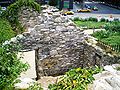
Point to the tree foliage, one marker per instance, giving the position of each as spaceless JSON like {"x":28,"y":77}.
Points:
{"x":53,"y":2}
{"x":6,"y":31}
{"x":12,"y":11}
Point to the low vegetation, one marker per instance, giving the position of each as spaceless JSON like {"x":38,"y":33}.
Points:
{"x":113,"y":26}
{"x":110,"y":36}
{"x":90,"y":23}
{"x":12,"y":11}
{"x":76,"y":79}
{"x":10,"y":65}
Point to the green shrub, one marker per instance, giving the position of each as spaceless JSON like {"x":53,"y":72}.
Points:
{"x":6,"y":31}
{"x":10,"y":65}
{"x":11,"y":13}
{"x":75,"y":79}
{"x":53,"y":2}
{"x":93,"y":19}
{"x":104,"y":20}
{"x":76,"y":19}
{"x":84,"y":20}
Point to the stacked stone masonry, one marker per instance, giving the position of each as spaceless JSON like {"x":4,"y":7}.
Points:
{"x":60,"y":44}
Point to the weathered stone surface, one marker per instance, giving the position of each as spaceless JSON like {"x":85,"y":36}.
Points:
{"x":110,"y":69}
{"x":61,"y":44}
{"x":107,"y":80}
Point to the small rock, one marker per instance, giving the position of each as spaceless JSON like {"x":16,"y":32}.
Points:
{"x":110,"y":69}
{"x":24,"y":84}
{"x":53,"y":52}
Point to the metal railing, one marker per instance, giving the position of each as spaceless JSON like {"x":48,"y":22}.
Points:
{"x":115,"y":48}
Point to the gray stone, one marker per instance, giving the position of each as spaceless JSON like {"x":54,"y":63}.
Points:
{"x":110,"y":69}
{"x":53,"y":52}
{"x":56,"y":14}
{"x":44,"y":30}
{"x":24,"y":84}
{"x":58,"y":20}
{"x":101,"y":85}
{"x":61,"y":29}
{"x":70,"y":27}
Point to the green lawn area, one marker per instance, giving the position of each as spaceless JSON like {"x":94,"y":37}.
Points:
{"x":109,"y":38}
{"x":111,"y":35}
{"x":90,"y":24}
{"x":112,"y":40}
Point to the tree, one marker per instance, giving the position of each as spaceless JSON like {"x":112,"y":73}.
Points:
{"x":53,"y":2}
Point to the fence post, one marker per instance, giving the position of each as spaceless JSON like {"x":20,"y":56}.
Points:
{"x":36,"y":61}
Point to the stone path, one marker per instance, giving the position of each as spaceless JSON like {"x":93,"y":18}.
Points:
{"x":91,"y":31}
{"x":29,"y":57}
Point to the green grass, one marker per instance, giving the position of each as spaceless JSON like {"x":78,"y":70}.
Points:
{"x":90,"y":24}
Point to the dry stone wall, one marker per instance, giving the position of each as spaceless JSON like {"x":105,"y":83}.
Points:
{"x":60,"y":44}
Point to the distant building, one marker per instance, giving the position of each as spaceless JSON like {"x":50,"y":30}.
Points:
{"x":5,"y":3}
{"x":68,"y":4}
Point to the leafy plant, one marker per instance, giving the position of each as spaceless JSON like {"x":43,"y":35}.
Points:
{"x":6,"y":31}
{"x":93,"y":19}
{"x":11,"y":13}
{"x":76,"y":19}
{"x":76,"y":79}
{"x":10,"y":64}
{"x":104,"y":20}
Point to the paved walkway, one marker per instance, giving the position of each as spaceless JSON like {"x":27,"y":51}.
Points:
{"x":91,"y":31}
{"x":29,"y":57}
